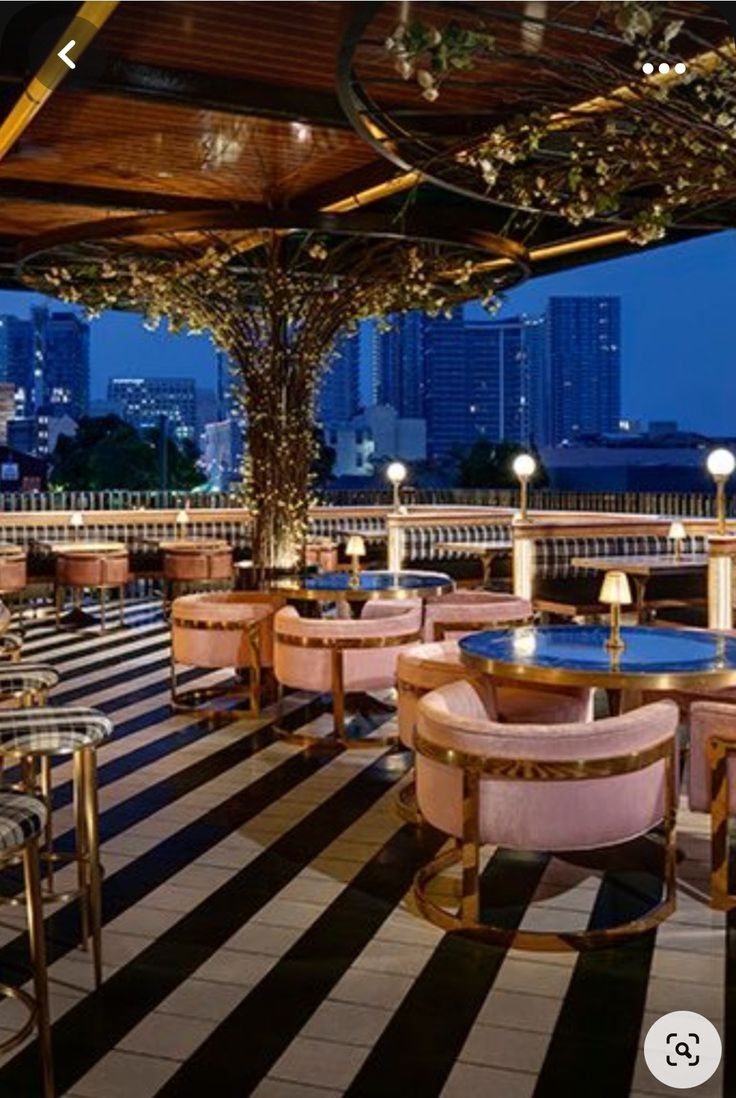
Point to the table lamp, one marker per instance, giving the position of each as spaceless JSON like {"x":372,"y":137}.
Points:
{"x":76,"y":521}
{"x":615,"y":593}
{"x":677,"y":534}
{"x":396,"y":474}
{"x":355,"y":549}
{"x":181,"y":521}
{"x":524,"y":468}
{"x":721,"y":464}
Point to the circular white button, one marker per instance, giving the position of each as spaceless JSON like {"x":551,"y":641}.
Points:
{"x":682,"y":1049}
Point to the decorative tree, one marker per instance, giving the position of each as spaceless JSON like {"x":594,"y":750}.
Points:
{"x":274,"y":300}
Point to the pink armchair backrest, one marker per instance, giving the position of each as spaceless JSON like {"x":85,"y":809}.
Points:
{"x":708,"y":718}
{"x":462,"y":610}
{"x":542,"y":815}
{"x":306,"y":667}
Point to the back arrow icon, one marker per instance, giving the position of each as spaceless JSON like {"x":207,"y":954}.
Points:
{"x":63,"y":54}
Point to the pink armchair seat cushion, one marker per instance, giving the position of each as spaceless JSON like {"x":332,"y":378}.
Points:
{"x":213,"y":647}
{"x":542,"y":815}
{"x":708,"y":718}
{"x":468,"y":609}
{"x":426,"y":667}
{"x":369,"y":668}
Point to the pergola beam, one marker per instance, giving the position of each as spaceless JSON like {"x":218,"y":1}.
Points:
{"x":105,"y":198}
{"x":200,"y":91}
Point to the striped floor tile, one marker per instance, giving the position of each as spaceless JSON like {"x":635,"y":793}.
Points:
{"x":260,"y":936}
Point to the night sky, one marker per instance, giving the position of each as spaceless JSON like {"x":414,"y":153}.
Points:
{"x":678,"y":333}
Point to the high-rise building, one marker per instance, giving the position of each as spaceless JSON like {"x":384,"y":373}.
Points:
{"x":338,"y":399}
{"x":47,"y":360}
{"x":61,"y":351}
{"x":584,"y":347}
{"x":484,"y":379}
{"x":142,"y":401}
{"x":398,"y":364}
{"x":16,"y":355}
{"x":7,"y":409}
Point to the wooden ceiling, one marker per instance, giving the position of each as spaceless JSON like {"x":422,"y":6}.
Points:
{"x":201,"y":105}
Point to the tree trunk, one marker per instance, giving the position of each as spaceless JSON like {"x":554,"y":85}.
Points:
{"x":278,"y":400}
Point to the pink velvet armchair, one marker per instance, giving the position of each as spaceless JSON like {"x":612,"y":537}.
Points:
{"x":461,"y":612}
{"x":541,"y":787}
{"x":712,"y":786}
{"x":338,"y":655}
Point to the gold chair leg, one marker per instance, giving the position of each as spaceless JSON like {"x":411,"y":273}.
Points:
{"x":81,"y":845}
{"x":254,"y":672}
{"x":93,"y":841}
{"x":470,"y":903}
{"x":718,"y":753}
{"x":338,"y":693}
{"x":58,"y":596}
{"x":122,"y":606}
{"x":103,"y":600}
{"x":38,"y":960}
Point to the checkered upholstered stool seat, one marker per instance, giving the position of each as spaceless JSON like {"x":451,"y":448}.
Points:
{"x":27,"y":682}
{"x":22,"y":821}
{"x":11,"y":646}
{"x":21,"y":818}
{"x":33,"y":737}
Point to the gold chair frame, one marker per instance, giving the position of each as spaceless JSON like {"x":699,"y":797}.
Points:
{"x":440,"y":629}
{"x":719,"y":750}
{"x":466,"y":850}
{"x":337,"y":646}
{"x":194,"y":701}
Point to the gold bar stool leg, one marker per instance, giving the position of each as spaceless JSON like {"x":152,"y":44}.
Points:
{"x":46,"y":797}
{"x":93,"y":839}
{"x":38,"y":959}
{"x":81,"y":843}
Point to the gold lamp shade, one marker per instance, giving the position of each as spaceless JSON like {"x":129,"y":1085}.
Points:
{"x":616,"y":590}
{"x":76,"y":521}
{"x":355,"y":546}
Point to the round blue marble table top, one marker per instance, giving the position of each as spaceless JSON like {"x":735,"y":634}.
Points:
{"x":365,"y":584}
{"x":653,"y":657}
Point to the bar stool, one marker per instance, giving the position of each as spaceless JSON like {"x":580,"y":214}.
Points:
{"x":22,"y":819}
{"x":195,"y":563}
{"x":33,"y":737}
{"x":25,"y":685}
{"x":101,"y":571}
{"x":14,"y":576}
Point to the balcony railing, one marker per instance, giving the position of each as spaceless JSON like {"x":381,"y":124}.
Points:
{"x":688,"y":504}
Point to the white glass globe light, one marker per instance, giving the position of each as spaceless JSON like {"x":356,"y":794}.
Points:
{"x":396,"y":472}
{"x":524,"y":466}
{"x":721,"y":463}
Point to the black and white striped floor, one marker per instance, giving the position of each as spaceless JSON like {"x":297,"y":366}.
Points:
{"x":259,"y":937}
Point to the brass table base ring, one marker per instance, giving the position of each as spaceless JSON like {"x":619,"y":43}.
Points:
{"x":533,"y":940}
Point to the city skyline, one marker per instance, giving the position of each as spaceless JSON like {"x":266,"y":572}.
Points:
{"x":676,"y":304}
